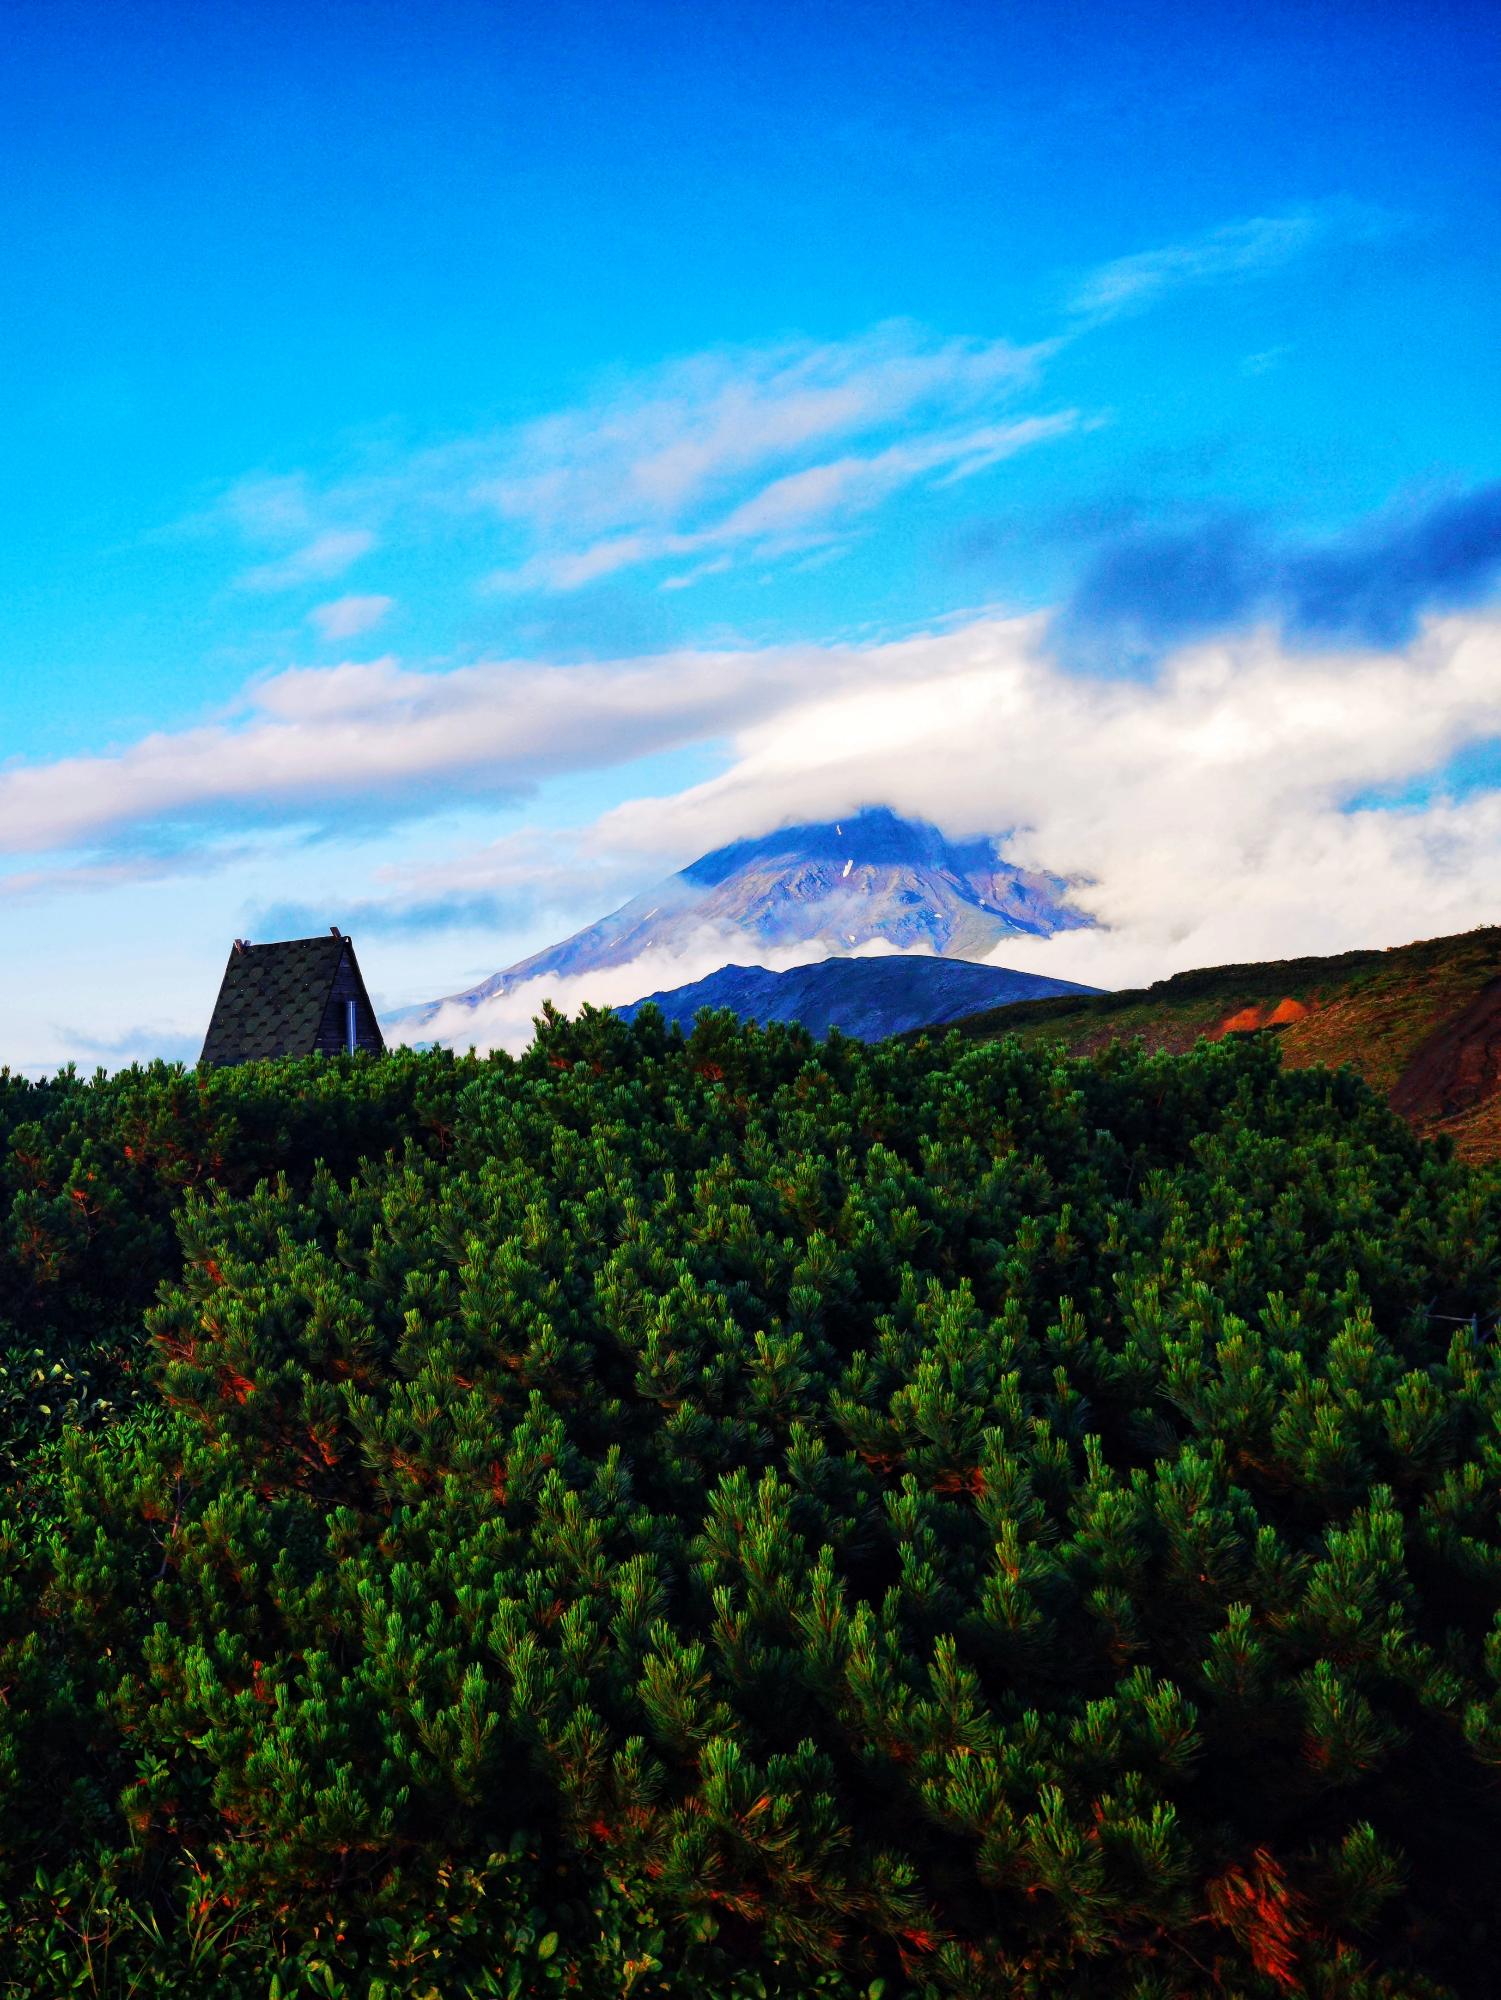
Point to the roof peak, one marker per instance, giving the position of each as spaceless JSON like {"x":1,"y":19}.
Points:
{"x":291,"y":997}
{"x":333,"y":935}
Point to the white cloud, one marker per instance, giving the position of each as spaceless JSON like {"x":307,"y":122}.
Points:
{"x":685,"y":579}
{"x":348,"y":617}
{"x":1319,"y":882}
{"x":374,"y":734}
{"x":327,"y":555}
{"x":1205,"y":816}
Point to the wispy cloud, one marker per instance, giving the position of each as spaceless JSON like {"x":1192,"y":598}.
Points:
{"x":348,"y":617}
{"x":1236,"y":250}
{"x":388,"y":919}
{"x":660,"y":445}
{"x":751,"y":454}
{"x":743,"y":455}
{"x":1266,"y":360}
{"x":327,"y":555}
{"x":734,"y":453}
{"x":128,"y":855}
{"x":797,"y":510}
{"x":685,"y":579}
{"x":77,"y":877}
{"x":531,"y":869}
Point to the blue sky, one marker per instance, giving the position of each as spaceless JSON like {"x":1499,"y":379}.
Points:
{"x":443,"y":458}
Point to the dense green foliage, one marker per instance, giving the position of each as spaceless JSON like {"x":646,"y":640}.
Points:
{"x":734,"y":1517}
{"x":92,"y":1176}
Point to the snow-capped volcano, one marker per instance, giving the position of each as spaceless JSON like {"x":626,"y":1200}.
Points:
{"x":874,"y":879}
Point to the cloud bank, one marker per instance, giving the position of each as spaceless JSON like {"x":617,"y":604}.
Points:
{"x":1213,"y":812}
{"x":1227,"y":806}
{"x":1214,"y":806}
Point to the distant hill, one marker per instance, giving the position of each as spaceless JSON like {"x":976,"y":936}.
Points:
{"x":875,"y":877}
{"x":1420,"y":1022}
{"x":868,"y":998}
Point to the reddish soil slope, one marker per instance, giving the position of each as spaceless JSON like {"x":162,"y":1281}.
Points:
{"x":1421,"y":1023}
{"x":1458,"y":1066}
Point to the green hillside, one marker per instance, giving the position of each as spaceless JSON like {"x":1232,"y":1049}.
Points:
{"x":1421,"y":1023}
{"x":733,"y":1518}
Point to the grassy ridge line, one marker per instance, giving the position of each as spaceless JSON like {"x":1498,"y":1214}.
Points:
{"x":1372,"y":1010}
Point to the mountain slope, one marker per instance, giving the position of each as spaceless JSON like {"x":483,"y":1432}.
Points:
{"x":840,"y":884}
{"x":1420,"y":1022}
{"x":868,"y":998}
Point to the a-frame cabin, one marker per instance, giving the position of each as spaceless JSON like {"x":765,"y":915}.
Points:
{"x":302,"y":997}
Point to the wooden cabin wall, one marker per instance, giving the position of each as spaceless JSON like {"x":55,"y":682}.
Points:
{"x":330,"y":1041}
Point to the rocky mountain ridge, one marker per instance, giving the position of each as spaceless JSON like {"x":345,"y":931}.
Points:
{"x":867,"y":998}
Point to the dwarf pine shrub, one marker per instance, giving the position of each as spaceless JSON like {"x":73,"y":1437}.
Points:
{"x":732,"y":1516}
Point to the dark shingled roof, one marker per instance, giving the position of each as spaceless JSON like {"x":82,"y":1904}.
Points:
{"x":274,"y":998}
